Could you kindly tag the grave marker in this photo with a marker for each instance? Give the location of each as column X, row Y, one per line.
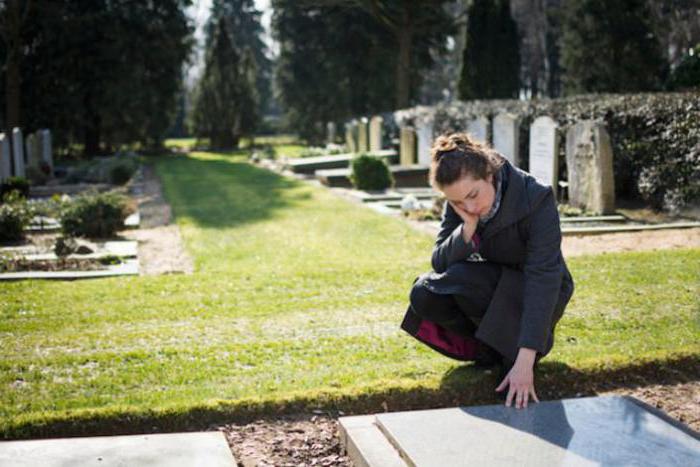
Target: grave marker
column 589, row 162
column 506, row 137
column 46, row 149
column 424, row 135
column 330, row 132
column 407, row 146
column 18, row 152
column 478, row 129
column 375, row 133
column 363, row 135
column 5, row 158
column 32, row 151
column 544, row 154
column 350, row 140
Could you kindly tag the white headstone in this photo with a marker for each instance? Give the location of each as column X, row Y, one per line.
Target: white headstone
column 375, row 133
column 46, row 149
column 350, row 136
column 18, row 152
column 5, row 158
column 544, row 155
column 478, row 129
column 363, row 135
column 506, row 137
column 589, row 163
column 330, row 132
column 407, row 146
column 424, row 133
column 32, row 153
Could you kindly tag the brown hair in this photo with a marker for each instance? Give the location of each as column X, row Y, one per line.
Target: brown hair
column 455, row 155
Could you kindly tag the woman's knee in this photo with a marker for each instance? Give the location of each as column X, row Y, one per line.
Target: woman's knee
column 420, row 297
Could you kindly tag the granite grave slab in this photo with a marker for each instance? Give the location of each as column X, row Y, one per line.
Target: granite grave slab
column 205, row 449
column 585, row 431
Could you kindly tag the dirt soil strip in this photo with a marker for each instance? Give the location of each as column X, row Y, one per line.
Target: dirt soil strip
column 161, row 250
column 314, row 440
column 577, row 245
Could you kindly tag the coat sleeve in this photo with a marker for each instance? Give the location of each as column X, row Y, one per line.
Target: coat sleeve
column 450, row 246
column 543, row 270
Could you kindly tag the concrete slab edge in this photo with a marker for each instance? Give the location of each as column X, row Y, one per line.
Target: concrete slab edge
column 130, row 267
column 366, row 445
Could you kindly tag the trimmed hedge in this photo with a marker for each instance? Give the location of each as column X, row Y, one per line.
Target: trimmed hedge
column 98, row 215
column 15, row 216
column 370, row 173
column 655, row 137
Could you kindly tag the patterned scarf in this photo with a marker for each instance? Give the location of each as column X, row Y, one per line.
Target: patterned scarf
column 497, row 199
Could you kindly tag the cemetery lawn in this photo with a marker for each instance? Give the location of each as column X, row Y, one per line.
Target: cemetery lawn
column 295, row 304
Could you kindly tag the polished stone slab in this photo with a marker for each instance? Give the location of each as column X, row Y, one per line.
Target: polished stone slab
column 308, row 165
column 585, row 431
column 204, row 449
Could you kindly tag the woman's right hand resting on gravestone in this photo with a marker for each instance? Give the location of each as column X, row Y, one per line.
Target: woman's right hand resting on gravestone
column 470, row 222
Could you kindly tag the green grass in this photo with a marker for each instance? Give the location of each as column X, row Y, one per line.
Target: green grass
column 295, row 303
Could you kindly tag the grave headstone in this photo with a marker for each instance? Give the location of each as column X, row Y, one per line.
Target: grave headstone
column 330, row 132
column 32, row 154
column 375, row 133
column 424, row 134
column 506, row 137
column 5, row 158
column 544, row 154
column 363, row 135
column 46, row 149
column 350, row 140
column 18, row 153
column 478, row 129
column 407, row 146
column 589, row 162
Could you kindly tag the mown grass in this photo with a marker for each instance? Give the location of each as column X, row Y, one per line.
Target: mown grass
column 295, row 303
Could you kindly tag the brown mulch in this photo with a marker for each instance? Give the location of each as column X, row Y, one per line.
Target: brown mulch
column 301, row 440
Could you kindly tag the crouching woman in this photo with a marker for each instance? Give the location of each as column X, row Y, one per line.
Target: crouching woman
column 499, row 283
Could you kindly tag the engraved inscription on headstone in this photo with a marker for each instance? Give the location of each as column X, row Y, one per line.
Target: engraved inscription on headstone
column 478, row 129
column 375, row 133
column 589, row 162
column 506, row 137
column 424, row 133
column 18, row 152
column 5, row 158
column 544, row 142
column 407, row 146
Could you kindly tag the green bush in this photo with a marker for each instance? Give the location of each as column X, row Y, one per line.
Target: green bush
column 94, row 215
column 370, row 173
column 121, row 172
column 17, row 184
column 15, row 216
column 686, row 75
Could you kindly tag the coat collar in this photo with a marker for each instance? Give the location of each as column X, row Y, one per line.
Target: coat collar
column 514, row 201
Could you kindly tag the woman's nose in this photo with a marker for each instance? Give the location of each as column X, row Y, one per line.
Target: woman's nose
column 470, row 207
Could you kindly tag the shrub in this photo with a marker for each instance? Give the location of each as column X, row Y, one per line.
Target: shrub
column 17, row 184
column 686, row 75
column 120, row 173
column 94, row 215
column 370, row 173
column 15, row 216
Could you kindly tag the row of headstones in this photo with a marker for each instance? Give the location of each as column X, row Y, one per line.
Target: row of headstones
column 16, row 156
column 588, row 152
column 361, row 135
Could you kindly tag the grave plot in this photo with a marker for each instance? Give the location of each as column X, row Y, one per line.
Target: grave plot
column 584, row 431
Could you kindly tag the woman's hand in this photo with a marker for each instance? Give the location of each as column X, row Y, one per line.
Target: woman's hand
column 470, row 221
column 520, row 379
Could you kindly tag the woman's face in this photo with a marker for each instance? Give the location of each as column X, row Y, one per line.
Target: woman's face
column 474, row 196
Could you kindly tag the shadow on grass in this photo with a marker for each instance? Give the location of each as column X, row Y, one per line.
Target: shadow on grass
column 225, row 192
column 462, row 386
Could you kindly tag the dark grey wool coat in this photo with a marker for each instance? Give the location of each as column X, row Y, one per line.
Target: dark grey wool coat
column 534, row 287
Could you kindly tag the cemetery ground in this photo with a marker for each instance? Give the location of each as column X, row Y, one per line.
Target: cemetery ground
column 291, row 318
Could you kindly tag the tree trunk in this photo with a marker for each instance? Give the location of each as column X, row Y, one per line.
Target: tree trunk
column 404, row 35
column 92, row 128
column 13, row 78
